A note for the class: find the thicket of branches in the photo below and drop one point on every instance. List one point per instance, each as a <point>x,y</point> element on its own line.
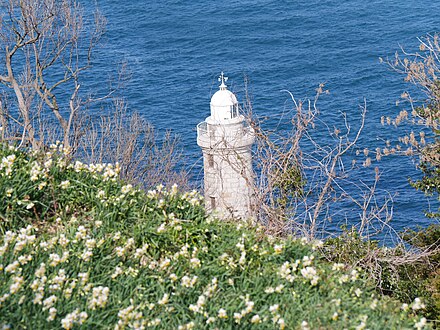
<point>421,69</point>
<point>46,46</point>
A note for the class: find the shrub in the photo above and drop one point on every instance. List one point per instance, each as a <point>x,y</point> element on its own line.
<point>400,272</point>
<point>98,253</point>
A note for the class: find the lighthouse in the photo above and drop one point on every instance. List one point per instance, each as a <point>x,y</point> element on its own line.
<point>226,141</point>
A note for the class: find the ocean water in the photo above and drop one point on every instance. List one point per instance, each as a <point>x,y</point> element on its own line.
<point>175,50</point>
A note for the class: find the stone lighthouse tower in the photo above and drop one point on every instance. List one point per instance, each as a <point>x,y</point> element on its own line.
<point>226,143</point>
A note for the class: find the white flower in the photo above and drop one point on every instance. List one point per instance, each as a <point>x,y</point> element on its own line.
<point>99,297</point>
<point>361,326</point>
<point>126,189</point>
<point>307,261</point>
<point>195,262</point>
<point>354,275</point>
<point>338,266</point>
<point>237,317</point>
<point>165,264</point>
<point>343,279</point>
<point>65,184</point>
<point>23,260</point>
<point>187,326</point>
<point>317,244</point>
<point>12,268</point>
<point>161,228</point>
<point>305,325</point>
<point>358,292</point>
<point>7,163</point>
<point>421,324</point>
<point>279,288</point>
<point>222,314</point>
<point>164,300</point>
<point>256,319</point>
<point>274,308</point>
<point>116,236</point>
<point>49,302</point>
<point>100,194</point>
<point>84,278</point>
<point>52,314</point>
<point>72,318</point>
<point>281,323</point>
<point>118,271</point>
<point>308,272</point>
<point>91,243</point>
<point>269,290</point>
<point>86,255</point>
<point>417,304</point>
<point>81,233</point>
<point>41,270</point>
<point>16,285</point>
<point>188,282</point>
<point>278,248</point>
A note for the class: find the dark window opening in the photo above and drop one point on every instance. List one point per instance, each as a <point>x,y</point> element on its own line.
<point>210,160</point>
<point>212,199</point>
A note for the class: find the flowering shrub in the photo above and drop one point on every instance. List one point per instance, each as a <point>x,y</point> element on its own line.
<point>79,248</point>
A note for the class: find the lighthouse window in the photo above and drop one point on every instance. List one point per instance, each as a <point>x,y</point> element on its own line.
<point>210,160</point>
<point>212,199</point>
<point>235,111</point>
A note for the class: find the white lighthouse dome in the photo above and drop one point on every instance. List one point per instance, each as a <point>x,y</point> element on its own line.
<point>223,98</point>
<point>224,104</point>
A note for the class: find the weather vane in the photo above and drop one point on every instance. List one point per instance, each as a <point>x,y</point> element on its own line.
<point>222,79</point>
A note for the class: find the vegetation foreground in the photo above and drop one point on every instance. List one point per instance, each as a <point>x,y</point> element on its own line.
<point>81,249</point>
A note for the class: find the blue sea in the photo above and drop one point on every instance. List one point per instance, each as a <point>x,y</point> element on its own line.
<point>175,50</point>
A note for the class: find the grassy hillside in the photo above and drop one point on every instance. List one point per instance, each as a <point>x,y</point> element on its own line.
<point>81,249</point>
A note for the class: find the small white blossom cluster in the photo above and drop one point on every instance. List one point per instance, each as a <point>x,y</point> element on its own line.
<point>57,282</point>
<point>122,251</point>
<point>352,276</point>
<point>132,318</point>
<point>189,326</point>
<point>109,172</point>
<point>188,282</point>
<point>310,273</point>
<point>193,197</point>
<point>17,283</point>
<point>241,247</point>
<point>7,164</point>
<point>99,297</point>
<point>417,304</point>
<point>58,147</point>
<point>288,269</point>
<point>76,317</point>
<point>363,322</point>
<point>39,283</point>
<point>421,324</point>
<point>249,306</point>
<point>202,299</point>
<point>276,317</point>
<point>40,171</point>
<point>228,261</point>
<point>24,238</point>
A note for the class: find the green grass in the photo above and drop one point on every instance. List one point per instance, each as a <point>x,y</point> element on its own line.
<point>81,249</point>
